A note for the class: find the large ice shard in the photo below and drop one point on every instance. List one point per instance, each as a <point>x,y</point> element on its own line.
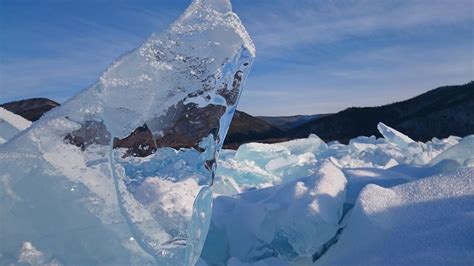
<point>120,174</point>
<point>394,136</point>
<point>11,124</point>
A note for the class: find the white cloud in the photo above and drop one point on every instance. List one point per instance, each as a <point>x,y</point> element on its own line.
<point>313,22</point>
<point>302,82</point>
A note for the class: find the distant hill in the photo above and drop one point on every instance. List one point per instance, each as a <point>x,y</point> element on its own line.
<point>440,112</point>
<point>246,128</point>
<point>290,122</point>
<point>31,109</point>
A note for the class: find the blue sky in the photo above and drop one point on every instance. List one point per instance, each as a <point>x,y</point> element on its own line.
<point>312,56</point>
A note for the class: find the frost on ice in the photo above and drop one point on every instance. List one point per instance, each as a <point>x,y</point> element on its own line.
<point>120,174</point>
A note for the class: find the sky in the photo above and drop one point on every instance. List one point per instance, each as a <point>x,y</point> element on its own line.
<point>313,56</point>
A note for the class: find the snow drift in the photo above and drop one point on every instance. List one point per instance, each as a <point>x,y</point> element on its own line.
<point>426,222</point>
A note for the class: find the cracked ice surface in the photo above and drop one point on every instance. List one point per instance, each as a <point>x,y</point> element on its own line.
<point>67,193</point>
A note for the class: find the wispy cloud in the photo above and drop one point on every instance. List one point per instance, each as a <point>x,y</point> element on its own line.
<point>298,23</point>
<point>313,56</point>
<point>56,57</point>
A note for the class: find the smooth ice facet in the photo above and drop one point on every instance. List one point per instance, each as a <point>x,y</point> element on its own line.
<point>121,173</point>
<point>394,136</point>
<point>11,124</point>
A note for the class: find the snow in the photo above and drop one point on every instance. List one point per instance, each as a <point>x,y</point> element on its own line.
<point>29,254</point>
<point>66,191</point>
<point>68,197</point>
<point>263,216</point>
<point>385,201</point>
<point>11,124</point>
<point>261,224</point>
<point>426,222</point>
<point>358,178</point>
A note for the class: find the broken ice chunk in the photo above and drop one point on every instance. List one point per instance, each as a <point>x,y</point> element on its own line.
<point>288,221</point>
<point>394,136</point>
<point>11,124</point>
<point>463,152</point>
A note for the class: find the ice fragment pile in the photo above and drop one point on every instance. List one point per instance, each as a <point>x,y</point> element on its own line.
<point>372,202</point>
<point>122,174</point>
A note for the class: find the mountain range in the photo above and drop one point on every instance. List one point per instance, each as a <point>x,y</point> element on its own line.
<point>441,112</point>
